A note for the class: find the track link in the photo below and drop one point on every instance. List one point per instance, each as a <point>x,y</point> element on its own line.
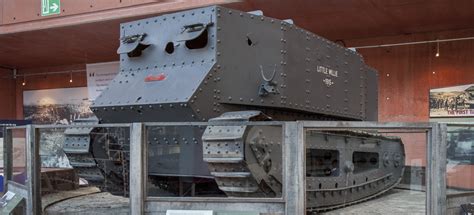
<point>77,148</point>
<point>99,155</point>
<point>223,148</point>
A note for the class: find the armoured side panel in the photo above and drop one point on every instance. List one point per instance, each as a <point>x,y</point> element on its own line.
<point>307,73</point>
<point>331,78</point>
<point>176,151</point>
<point>342,169</point>
<point>248,49</point>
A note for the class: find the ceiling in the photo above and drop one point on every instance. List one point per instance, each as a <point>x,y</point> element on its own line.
<point>333,19</point>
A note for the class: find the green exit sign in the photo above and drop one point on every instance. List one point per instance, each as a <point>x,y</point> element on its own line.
<point>50,7</point>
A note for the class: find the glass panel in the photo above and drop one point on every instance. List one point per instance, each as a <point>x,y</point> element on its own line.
<point>214,161</point>
<point>57,175</point>
<point>19,156</point>
<point>365,171</point>
<point>460,168</point>
<point>84,160</point>
<point>1,147</point>
<point>322,163</point>
<point>364,161</point>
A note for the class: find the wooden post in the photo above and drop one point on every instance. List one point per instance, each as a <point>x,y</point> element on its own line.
<point>436,170</point>
<point>294,165</point>
<point>33,165</point>
<point>137,169</point>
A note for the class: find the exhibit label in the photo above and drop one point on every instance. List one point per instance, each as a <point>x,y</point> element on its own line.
<point>99,76</point>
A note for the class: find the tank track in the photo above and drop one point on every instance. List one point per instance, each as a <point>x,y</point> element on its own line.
<point>224,153</point>
<point>76,146</point>
<point>99,155</point>
<point>240,159</point>
<point>316,210</point>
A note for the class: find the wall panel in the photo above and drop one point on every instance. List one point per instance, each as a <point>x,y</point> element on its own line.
<point>1,12</point>
<point>407,73</point>
<point>7,95</point>
<point>29,10</point>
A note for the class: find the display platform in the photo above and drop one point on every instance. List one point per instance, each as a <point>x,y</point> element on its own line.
<point>395,201</point>
<point>87,200</point>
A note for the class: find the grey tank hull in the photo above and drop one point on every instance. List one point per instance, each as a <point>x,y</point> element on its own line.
<point>225,60</point>
<point>206,63</point>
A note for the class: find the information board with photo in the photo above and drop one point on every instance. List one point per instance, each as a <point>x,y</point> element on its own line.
<point>456,101</point>
<point>56,106</point>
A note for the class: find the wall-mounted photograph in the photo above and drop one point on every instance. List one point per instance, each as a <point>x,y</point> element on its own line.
<point>456,101</point>
<point>56,106</point>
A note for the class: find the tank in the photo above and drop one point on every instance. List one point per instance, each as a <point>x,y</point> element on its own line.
<point>217,64</point>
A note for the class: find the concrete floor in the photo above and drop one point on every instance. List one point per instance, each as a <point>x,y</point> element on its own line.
<point>396,201</point>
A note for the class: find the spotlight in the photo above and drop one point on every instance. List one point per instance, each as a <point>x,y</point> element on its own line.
<point>24,82</point>
<point>70,77</point>
<point>437,49</point>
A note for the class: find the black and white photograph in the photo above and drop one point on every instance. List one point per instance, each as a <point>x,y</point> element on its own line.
<point>457,101</point>
<point>56,106</point>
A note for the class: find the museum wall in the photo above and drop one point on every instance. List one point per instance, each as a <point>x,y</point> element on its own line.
<point>407,73</point>
<point>7,95</point>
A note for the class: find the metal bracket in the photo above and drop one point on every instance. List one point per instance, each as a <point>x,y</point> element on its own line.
<point>193,31</point>
<point>133,45</point>
<point>268,86</point>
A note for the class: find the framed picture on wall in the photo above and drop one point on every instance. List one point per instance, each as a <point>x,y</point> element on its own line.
<point>456,101</point>
<point>56,106</point>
